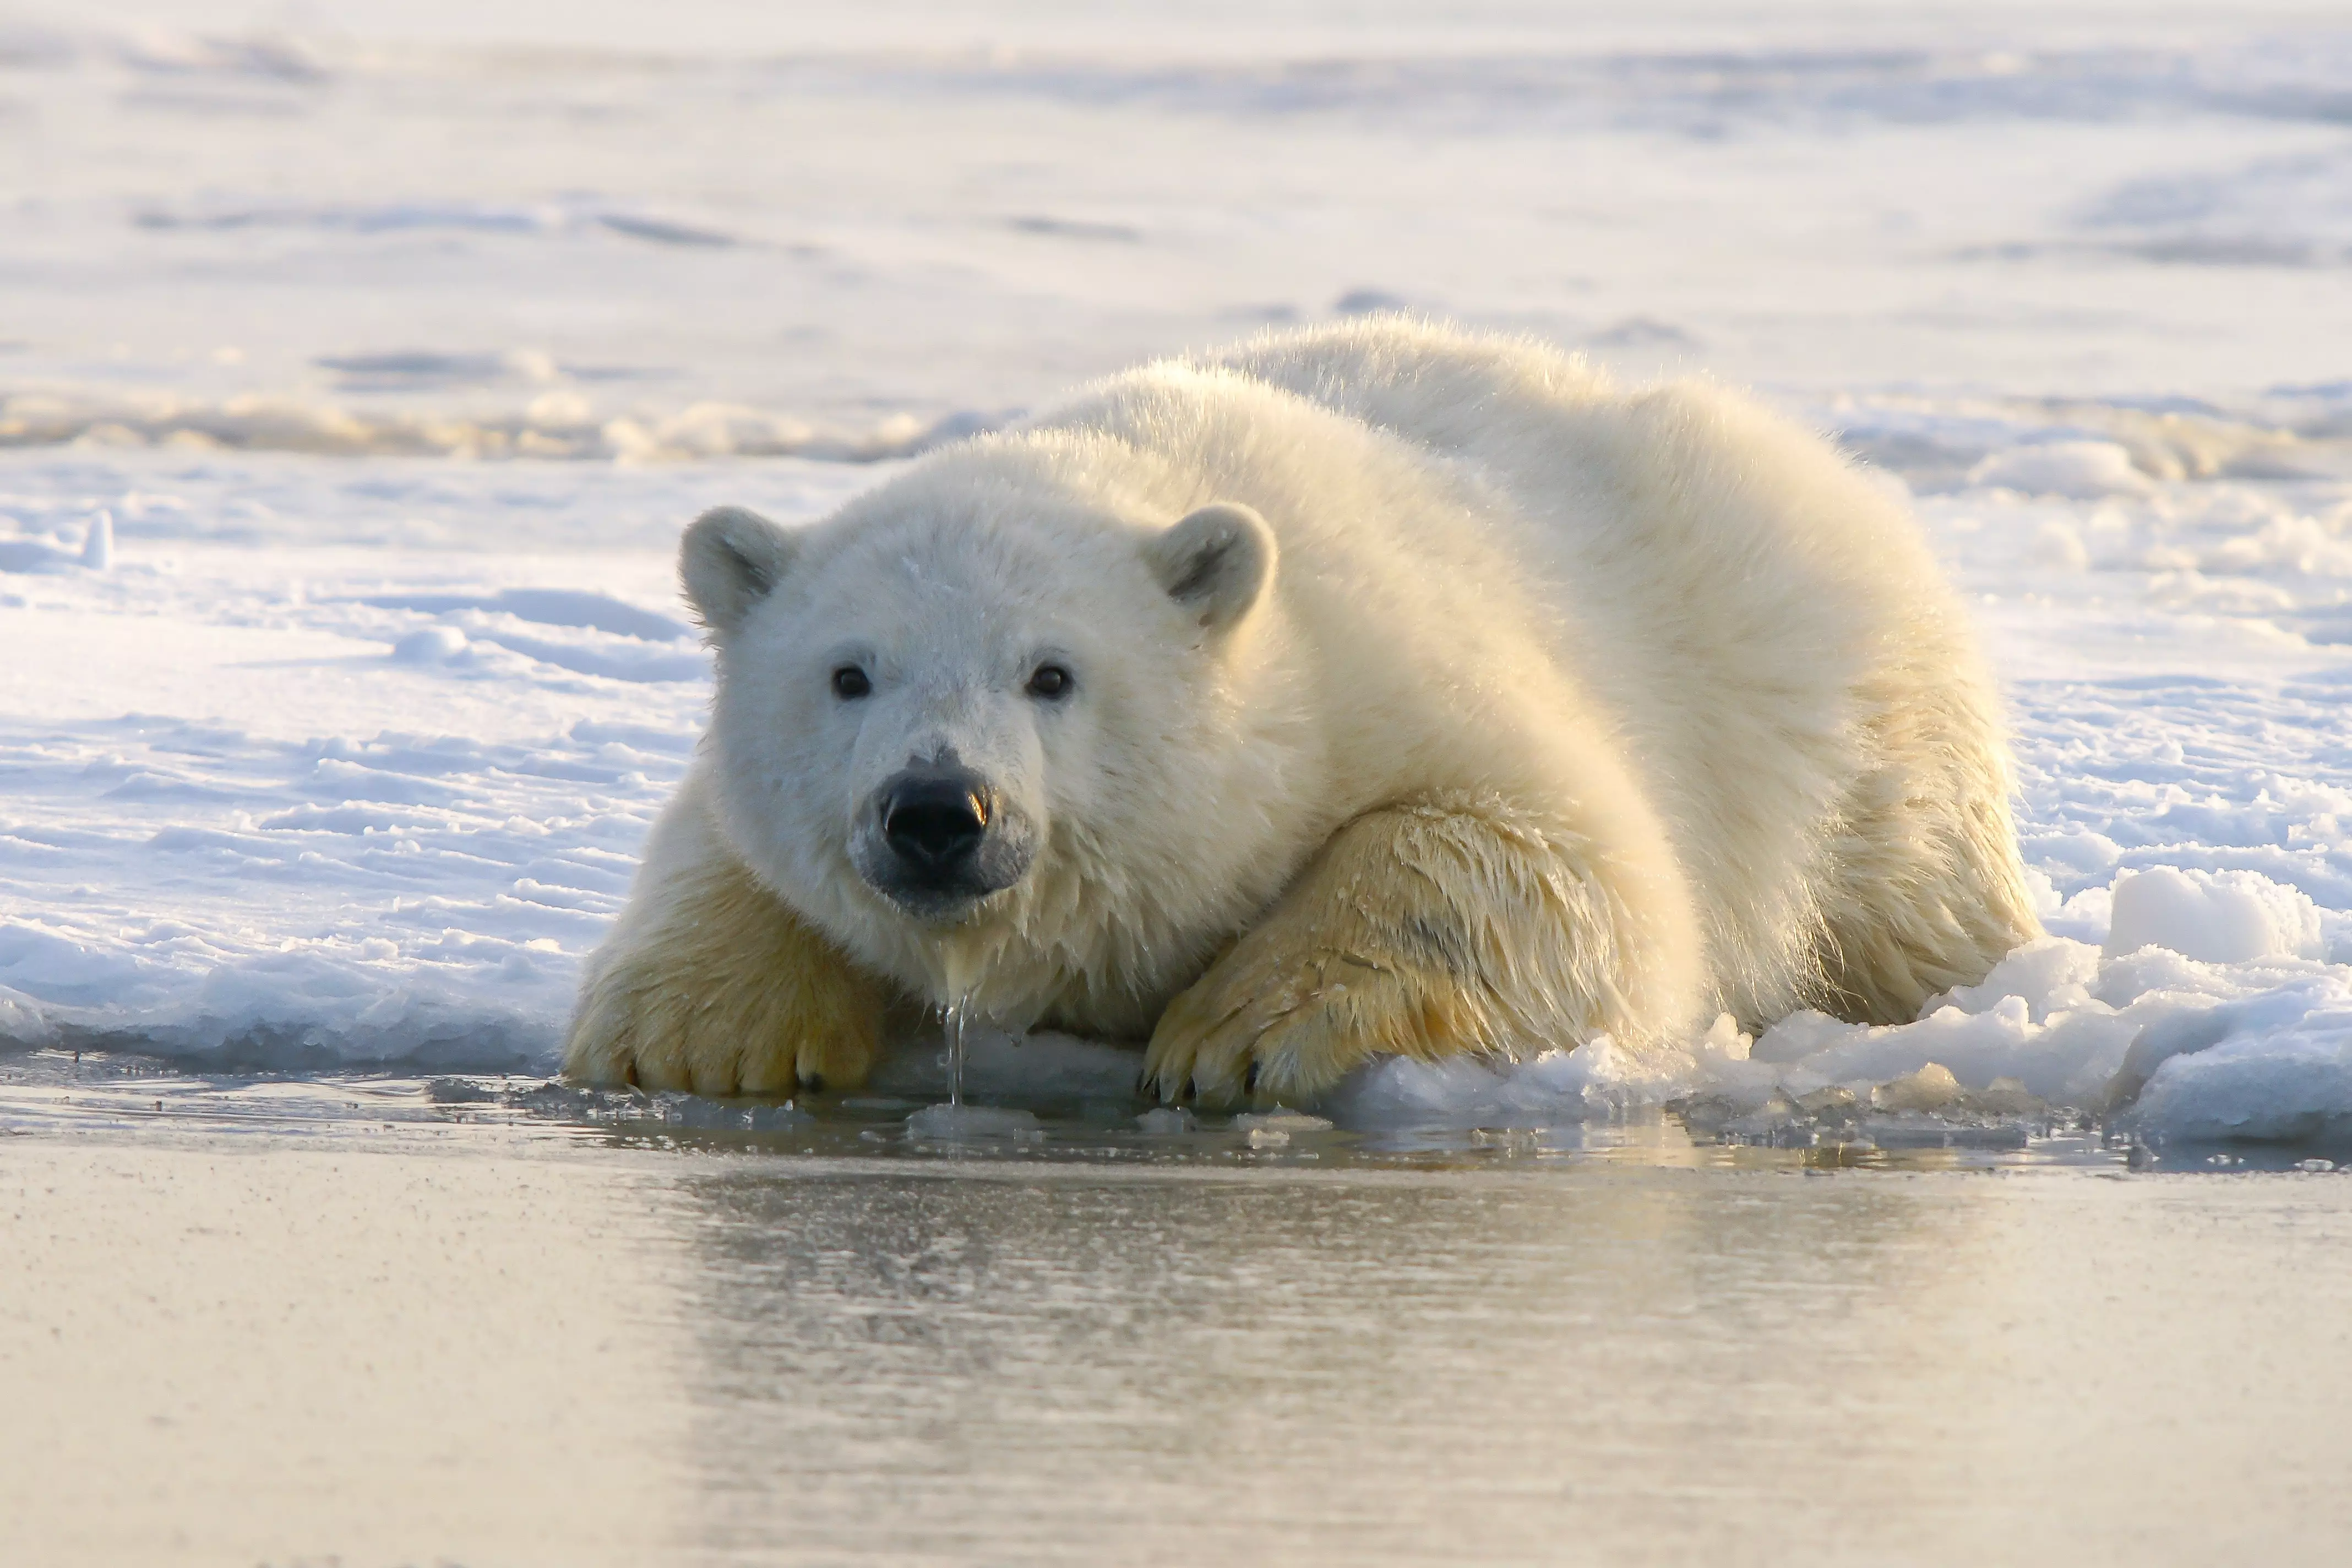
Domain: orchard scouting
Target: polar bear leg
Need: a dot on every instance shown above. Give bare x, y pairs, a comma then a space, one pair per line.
1924, 888
712, 985
1921, 897
1423, 931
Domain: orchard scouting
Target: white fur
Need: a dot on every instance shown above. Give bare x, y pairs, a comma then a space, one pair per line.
1707, 674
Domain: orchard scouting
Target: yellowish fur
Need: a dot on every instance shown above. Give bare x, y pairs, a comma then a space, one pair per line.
715, 986
1451, 925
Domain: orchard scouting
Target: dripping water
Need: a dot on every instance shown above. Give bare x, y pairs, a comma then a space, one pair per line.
964, 962
955, 1120
957, 1017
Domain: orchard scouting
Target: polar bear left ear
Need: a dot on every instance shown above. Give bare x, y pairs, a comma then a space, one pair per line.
1217, 562
728, 560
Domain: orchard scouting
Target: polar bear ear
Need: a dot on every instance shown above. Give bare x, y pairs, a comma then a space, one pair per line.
1217, 562
728, 560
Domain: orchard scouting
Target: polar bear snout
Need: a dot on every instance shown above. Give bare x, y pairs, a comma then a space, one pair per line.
943, 837
934, 825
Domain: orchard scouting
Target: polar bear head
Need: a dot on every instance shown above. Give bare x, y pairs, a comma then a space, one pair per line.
1006, 735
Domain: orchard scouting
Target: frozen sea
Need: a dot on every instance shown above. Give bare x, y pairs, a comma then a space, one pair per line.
357, 368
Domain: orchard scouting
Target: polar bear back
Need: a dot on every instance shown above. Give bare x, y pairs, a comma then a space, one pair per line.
1764, 626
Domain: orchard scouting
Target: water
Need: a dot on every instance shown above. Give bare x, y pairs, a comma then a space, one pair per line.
481, 1336
955, 1122
958, 1020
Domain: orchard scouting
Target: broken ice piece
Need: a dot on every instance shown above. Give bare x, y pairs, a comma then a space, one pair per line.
2007, 1097
1911, 1129
1932, 1088
1167, 1121
1774, 1114
1280, 1120
1834, 1100
1273, 1128
962, 1121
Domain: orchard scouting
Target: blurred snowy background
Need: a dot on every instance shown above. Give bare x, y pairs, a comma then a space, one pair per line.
359, 364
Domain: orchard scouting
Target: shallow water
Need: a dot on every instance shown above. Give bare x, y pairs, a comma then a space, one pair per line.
377, 1320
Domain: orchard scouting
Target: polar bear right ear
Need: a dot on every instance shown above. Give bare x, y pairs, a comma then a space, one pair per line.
1216, 561
728, 560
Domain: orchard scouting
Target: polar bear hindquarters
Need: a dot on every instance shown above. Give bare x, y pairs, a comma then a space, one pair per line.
1778, 651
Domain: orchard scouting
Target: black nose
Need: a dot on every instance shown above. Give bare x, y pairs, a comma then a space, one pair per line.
935, 822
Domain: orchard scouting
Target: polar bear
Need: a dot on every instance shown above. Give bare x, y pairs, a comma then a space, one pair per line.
1372, 689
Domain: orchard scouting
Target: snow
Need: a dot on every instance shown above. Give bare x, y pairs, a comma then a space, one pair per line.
357, 378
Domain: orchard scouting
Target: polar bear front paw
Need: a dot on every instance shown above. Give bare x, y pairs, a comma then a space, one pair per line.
662, 1032
1430, 930
743, 1000
1266, 1029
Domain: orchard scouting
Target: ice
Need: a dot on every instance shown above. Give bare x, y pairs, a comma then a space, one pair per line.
2051, 975
954, 1123
2256, 1043
342, 455
1932, 1088
1281, 1120
2228, 917
1597, 1081
2281, 1073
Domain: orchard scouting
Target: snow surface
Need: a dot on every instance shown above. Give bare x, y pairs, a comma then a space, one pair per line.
355, 383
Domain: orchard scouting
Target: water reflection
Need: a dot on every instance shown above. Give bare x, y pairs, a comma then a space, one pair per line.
1029, 1366
408, 1322
438, 1329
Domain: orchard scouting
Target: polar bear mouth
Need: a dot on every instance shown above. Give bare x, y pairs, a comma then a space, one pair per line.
937, 840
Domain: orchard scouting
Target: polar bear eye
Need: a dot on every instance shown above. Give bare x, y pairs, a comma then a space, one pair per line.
849, 683
1050, 682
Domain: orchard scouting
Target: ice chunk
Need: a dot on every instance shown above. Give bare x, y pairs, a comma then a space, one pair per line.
2007, 1097
1776, 1116
2219, 916
2051, 975
1281, 1119
1918, 1131
22, 1022
2193, 1028
1397, 1091
1596, 1081
1276, 1128
1932, 1088
2288, 1082
957, 1124
1723, 1042
1802, 1034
